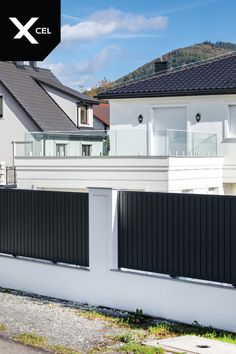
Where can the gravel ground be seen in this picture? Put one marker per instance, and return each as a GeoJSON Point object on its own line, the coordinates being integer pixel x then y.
{"type": "Point", "coordinates": [56, 320]}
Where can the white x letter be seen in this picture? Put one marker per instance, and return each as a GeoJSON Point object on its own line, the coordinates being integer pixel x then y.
{"type": "Point", "coordinates": [24, 30]}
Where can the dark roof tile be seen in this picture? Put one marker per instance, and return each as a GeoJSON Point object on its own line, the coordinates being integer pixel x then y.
{"type": "Point", "coordinates": [213, 76]}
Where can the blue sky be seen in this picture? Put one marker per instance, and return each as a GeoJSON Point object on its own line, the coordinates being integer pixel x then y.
{"type": "Point", "coordinates": [110, 38]}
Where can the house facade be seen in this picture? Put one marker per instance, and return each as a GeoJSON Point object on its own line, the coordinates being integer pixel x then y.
{"type": "Point", "coordinates": [189, 111]}
{"type": "Point", "coordinates": [37, 109]}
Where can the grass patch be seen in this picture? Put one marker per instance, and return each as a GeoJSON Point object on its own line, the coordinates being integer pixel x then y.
{"type": "Point", "coordinates": [60, 349]}
{"type": "Point", "coordinates": [6, 291]}
{"type": "Point", "coordinates": [140, 349]}
{"type": "Point", "coordinates": [175, 329]}
{"type": "Point", "coordinates": [3, 327]}
{"type": "Point", "coordinates": [96, 316]}
{"type": "Point", "coordinates": [135, 320]}
{"type": "Point", "coordinates": [40, 342]}
{"type": "Point", "coordinates": [31, 339]}
{"type": "Point", "coordinates": [131, 342]}
{"type": "Point", "coordinates": [130, 337]}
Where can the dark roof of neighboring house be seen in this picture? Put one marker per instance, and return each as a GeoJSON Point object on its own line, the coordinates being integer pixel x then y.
{"type": "Point", "coordinates": [214, 76]}
{"type": "Point", "coordinates": [102, 113]}
{"type": "Point", "coordinates": [23, 84]}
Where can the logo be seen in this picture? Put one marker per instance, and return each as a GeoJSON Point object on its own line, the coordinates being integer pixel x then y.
{"type": "Point", "coordinates": [24, 29]}
{"type": "Point", "coordinates": [29, 30]}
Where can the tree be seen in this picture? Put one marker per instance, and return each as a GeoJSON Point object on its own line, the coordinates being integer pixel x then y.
{"type": "Point", "coordinates": [104, 84]}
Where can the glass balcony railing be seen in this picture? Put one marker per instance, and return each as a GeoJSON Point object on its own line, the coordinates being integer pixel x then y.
{"type": "Point", "coordinates": [129, 142]}
{"type": "Point", "coordinates": [184, 143]}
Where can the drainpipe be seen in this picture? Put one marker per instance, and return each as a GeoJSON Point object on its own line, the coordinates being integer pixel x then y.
{"type": "Point", "coordinates": [13, 153]}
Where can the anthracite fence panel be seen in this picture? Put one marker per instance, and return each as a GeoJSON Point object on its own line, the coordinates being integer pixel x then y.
{"type": "Point", "coordinates": [178, 234]}
{"type": "Point", "coordinates": [45, 225]}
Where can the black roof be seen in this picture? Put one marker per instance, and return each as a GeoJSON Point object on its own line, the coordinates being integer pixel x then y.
{"type": "Point", "coordinates": [214, 76]}
{"type": "Point", "coordinates": [25, 85]}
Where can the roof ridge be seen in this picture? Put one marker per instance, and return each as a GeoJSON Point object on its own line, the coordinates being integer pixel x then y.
{"type": "Point", "coordinates": [173, 70]}
{"type": "Point", "coordinates": [39, 67]}
{"type": "Point", "coordinates": [29, 66]}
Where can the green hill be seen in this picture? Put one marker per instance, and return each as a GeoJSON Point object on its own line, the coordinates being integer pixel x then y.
{"type": "Point", "coordinates": [177, 57]}
{"type": "Point", "coordinates": [182, 56]}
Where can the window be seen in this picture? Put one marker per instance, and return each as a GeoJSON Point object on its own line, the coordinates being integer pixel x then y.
{"type": "Point", "coordinates": [213, 190]}
{"type": "Point", "coordinates": [86, 150]}
{"type": "Point", "coordinates": [187, 191]}
{"type": "Point", "coordinates": [60, 149]}
{"type": "Point", "coordinates": [84, 115]}
{"type": "Point", "coordinates": [232, 120]}
{"type": "Point", "coordinates": [1, 106]}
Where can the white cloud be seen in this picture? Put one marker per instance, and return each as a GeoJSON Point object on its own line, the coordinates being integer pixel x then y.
{"type": "Point", "coordinates": [134, 35]}
{"type": "Point", "coordinates": [75, 18]}
{"type": "Point", "coordinates": [82, 73]}
{"type": "Point", "coordinates": [107, 22]}
{"type": "Point", "coordinates": [190, 6]}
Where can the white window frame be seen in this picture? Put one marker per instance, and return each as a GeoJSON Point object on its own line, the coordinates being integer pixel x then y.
{"type": "Point", "coordinates": [87, 145]}
{"type": "Point", "coordinates": [66, 147]}
{"type": "Point", "coordinates": [84, 109]}
{"type": "Point", "coordinates": [89, 123]}
{"type": "Point", "coordinates": [226, 125]}
{"type": "Point", "coordinates": [151, 115]}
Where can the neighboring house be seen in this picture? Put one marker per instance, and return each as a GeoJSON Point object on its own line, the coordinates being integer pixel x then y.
{"type": "Point", "coordinates": [101, 114]}
{"type": "Point", "coordinates": [35, 106]}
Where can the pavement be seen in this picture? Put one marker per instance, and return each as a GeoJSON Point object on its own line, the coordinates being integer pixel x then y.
{"type": "Point", "coordinates": [193, 345]}
{"type": "Point", "coordinates": [9, 347]}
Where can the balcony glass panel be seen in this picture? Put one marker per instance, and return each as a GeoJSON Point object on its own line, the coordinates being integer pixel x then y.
{"type": "Point", "coordinates": [122, 142]}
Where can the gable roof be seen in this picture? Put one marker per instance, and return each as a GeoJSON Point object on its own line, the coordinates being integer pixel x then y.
{"type": "Point", "coordinates": [214, 76]}
{"type": "Point", "coordinates": [81, 97]}
{"type": "Point", "coordinates": [102, 113]}
{"type": "Point", "coordinates": [40, 107]}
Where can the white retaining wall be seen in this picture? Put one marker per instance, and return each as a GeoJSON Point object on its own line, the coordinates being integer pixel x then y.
{"type": "Point", "coordinates": [104, 284]}
{"type": "Point", "coordinates": [162, 174]}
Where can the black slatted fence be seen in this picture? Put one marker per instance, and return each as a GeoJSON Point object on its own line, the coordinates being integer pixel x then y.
{"type": "Point", "coordinates": [178, 234]}
{"type": "Point", "coordinates": [45, 225]}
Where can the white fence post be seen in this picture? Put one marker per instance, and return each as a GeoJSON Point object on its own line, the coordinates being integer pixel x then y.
{"type": "Point", "coordinates": [103, 248]}
{"type": "Point", "coordinates": [2, 174]}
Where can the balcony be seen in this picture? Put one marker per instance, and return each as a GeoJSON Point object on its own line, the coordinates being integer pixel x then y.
{"type": "Point", "coordinates": [122, 142]}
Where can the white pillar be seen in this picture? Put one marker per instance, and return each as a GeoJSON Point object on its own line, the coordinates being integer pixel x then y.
{"type": "Point", "coordinates": [2, 173]}
{"type": "Point", "coordinates": [103, 229]}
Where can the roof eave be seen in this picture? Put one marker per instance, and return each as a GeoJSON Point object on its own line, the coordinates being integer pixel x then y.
{"type": "Point", "coordinates": [93, 101]}
{"type": "Point", "coordinates": [168, 94]}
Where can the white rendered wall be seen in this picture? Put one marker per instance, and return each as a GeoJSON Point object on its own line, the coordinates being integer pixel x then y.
{"type": "Point", "coordinates": [70, 106]}
{"type": "Point", "coordinates": [140, 173]}
{"type": "Point", "coordinates": [13, 125]}
{"type": "Point", "coordinates": [213, 110]}
{"type": "Point", "coordinates": [214, 118]}
{"type": "Point", "coordinates": [197, 174]}
{"type": "Point", "coordinates": [105, 285]}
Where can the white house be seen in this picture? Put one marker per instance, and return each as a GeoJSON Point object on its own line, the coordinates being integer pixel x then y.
{"type": "Point", "coordinates": [53, 119]}
{"type": "Point", "coordinates": [190, 111]}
